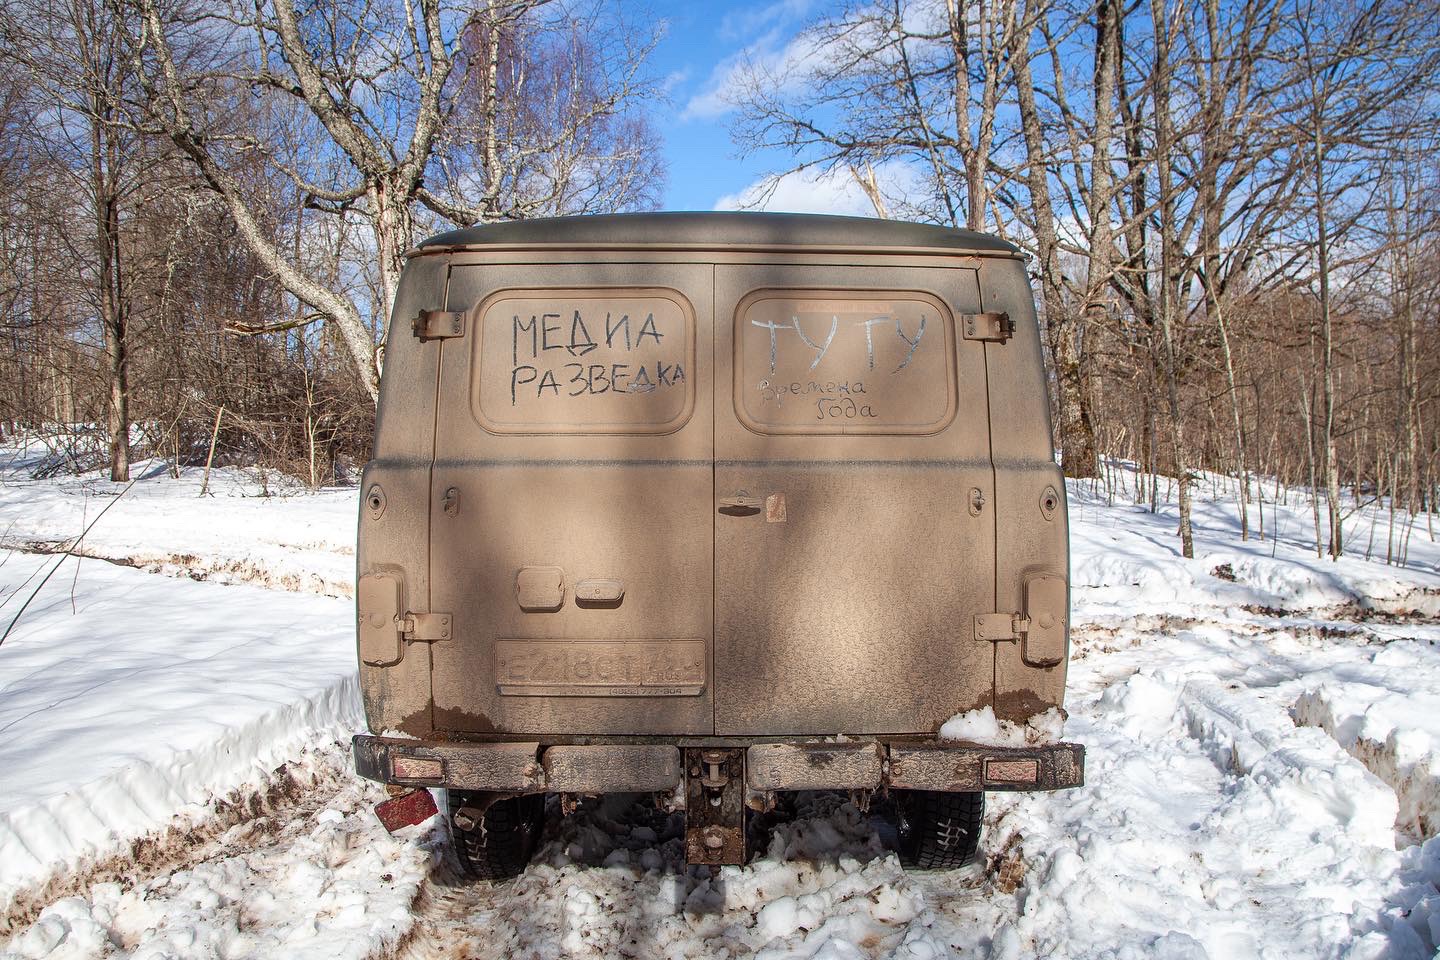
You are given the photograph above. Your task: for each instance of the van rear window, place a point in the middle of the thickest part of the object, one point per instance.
(585, 361)
(844, 361)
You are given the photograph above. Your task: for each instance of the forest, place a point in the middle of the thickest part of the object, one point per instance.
(1229, 208)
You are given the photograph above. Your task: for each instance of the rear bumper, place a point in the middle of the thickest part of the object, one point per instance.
(532, 767)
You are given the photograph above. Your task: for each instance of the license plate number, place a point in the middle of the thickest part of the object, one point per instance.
(600, 668)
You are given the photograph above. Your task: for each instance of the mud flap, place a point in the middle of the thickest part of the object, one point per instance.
(715, 806)
(406, 810)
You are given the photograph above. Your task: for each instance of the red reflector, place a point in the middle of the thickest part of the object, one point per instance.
(417, 806)
(416, 768)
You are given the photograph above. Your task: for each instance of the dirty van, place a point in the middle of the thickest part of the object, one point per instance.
(717, 507)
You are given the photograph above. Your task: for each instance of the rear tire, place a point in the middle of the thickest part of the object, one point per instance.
(502, 843)
(937, 830)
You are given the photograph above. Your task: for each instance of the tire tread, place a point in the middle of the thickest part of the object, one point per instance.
(501, 846)
(944, 829)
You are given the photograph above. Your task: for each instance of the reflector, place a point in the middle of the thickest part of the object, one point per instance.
(417, 806)
(1011, 771)
(416, 768)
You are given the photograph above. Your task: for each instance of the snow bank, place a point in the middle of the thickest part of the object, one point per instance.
(127, 698)
(315, 876)
(1208, 826)
(1386, 713)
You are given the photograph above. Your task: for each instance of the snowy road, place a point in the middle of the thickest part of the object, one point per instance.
(1212, 825)
(1262, 777)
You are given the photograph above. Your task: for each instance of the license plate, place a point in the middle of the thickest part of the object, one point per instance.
(600, 668)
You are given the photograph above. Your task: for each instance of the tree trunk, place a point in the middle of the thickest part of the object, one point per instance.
(1236, 418)
(1305, 403)
(1076, 430)
(113, 318)
(394, 226)
(1100, 264)
(1330, 463)
(1170, 305)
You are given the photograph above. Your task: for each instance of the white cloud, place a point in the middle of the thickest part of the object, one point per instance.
(902, 187)
(771, 55)
(713, 101)
(745, 23)
(809, 191)
(674, 80)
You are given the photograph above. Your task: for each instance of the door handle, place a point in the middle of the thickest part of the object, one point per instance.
(741, 505)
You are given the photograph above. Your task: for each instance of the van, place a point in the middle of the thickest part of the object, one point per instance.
(715, 506)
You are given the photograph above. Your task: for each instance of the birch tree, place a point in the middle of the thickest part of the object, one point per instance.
(1054, 167)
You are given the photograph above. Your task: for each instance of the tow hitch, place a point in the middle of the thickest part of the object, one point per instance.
(714, 806)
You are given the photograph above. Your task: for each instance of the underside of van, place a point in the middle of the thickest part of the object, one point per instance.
(714, 506)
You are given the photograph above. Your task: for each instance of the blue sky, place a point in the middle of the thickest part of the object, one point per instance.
(703, 42)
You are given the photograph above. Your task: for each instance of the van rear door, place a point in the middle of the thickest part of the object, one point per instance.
(854, 528)
(571, 495)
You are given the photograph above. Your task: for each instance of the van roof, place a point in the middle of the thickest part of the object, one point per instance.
(723, 230)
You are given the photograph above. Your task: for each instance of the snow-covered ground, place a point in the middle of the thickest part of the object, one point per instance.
(1262, 733)
(249, 527)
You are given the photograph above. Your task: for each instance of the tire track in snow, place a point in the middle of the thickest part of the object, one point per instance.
(297, 866)
(213, 569)
(610, 881)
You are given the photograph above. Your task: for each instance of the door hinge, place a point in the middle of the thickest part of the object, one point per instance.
(1041, 628)
(425, 627)
(438, 324)
(1001, 626)
(993, 325)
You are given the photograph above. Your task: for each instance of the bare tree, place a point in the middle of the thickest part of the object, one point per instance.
(920, 83)
(924, 84)
(1352, 65)
(1052, 169)
(384, 86)
(72, 52)
(546, 122)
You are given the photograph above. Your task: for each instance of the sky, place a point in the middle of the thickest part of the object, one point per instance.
(703, 43)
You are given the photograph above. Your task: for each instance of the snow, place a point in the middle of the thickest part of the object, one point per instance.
(250, 527)
(127, 699)
(147, 696)
(1373, 714)
(1261, 729)
(317, 879)
(982, 727)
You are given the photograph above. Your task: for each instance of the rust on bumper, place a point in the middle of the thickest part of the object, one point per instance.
(529, 767)
(814, 766)
(518, 767)
(962, 767)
